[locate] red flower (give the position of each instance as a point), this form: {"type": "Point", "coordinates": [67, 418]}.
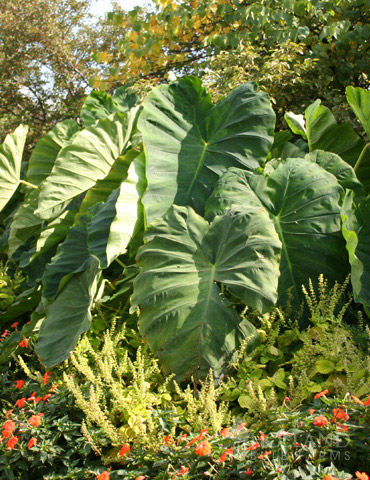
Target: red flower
{"type": "Point", "coordinates": [367, 402]}
{"type": "Point", "coordinates": [340, 414]}
{"type": "Point", "coordinates": [8, 428]}
{"type": "Point", "coordinates": [248, 472]}
{"type": "Point", "coordinates": [362, 476]}
{"type": "Point", "coordinates": [204, 448]}
{"type": "Point", "coordinates": [24, 343]}
{"type": "Point", "coordinates": [47, 396]}
{"type": "Point", "coordinates": [12, 442]}
{"type": "Point", "coordinates": [103, 476]}
{"type": "Point", "coordinates": [320, 421]}
{"type": "Point", "coordinates": [5, 333]}
{"type": "Point", "coordinates": [126, 448]}
{"type": "Point", "coordinates": [33, 442]}
{"type": "Point", "coordinates": [20, 403]}
{"type": "Point", "coordinates": [283, 434]}
{"type": "Point", "coordinates": [32, 397]}
{"type": "Point", "coordinates": [38, 399]}
{"type": "Point", "coordinates": [227, 452]}
{"type": "Point", "coordinates": [35, 420]}
{"type": "Point", "coordinates": [8, 413]}
{"type": "Point", "coordinates": [253, 447]}
{"type": "Point", "coordinates": [262, 436]}
{"type": "Point", "coordinates": [329, 477]}
{"type": "Point", "coordinates": [321, 394]}
{"type": "Point", "coordinates": [287, 399]}
{"type": "Point", "coordinates": [19, 383]}
{"type": "Point", "coordinates": [140, 477]}
{"type": "Point", "coordinates": [47, 375]}
{"type": "Point", "coordinates": [266, 454]}
{"type": "Point", "coordinates": [225, 432]}
{"type": "Point", "coordinates": [312, 411]}
{"type": "Point", "coordinates": [342, 427]}
{"type": "Point", "coordinates": [15, 324]}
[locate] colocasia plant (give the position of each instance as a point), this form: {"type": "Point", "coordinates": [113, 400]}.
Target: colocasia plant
{"type": "Point", "coordinates": [189, 211]}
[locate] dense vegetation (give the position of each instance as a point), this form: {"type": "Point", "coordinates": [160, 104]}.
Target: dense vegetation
{"type": "Point", "coordinates": [185, 276]}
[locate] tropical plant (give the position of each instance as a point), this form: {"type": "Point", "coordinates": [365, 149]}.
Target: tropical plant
{"type": "Point", "coordinates": [221, 213]}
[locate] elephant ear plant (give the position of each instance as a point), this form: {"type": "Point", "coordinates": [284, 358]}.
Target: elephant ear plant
{"type": "Point", "coordinates": [188, 212]}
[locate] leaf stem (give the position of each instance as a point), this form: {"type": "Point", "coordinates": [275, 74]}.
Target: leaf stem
{"type": "Point", "coordinates": [358, 163]}
{"type": "Point", "coordinates": [121, 263]}
{"type": "Point", "coordinates": [110, 284]}
{"type": "Point", "coordinates": [28, 184]}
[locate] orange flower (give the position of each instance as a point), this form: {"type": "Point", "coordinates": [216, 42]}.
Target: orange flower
{"type": "Point", "coordinates": [320, 421]}
{"type": "Point", "coordinates": [19, 383]}
{"type": "Point", "coordinates": [20, 403]}
{"type": "Point", "coordinates": [321, 394]}
{"type": "Point", "coordinates": [362, 476]}
{"type": "Point", "coordinates": [367, 402]}
{"type": "Point", "coordinates": [33, 442]}
{"type": "Point", "coordinates": [199, 437]}
{"type": "Point", "coordinates": [8, 428]}
{"type": "Point", "coordinates": [47, 375]}
{"type": "Point", "coordinates": [8, 413]}
{"type": "Point", "coordinates": [253, 447]}
{"type": "Point", "coordinates": [24, 343]}
{"type": "Point", "coordinates": [262, 436]}
{"type": "Point", "coordinates": [357, 400]}
{"type": "Point", "coordinates": [32, 397]}
{"type": "Point", "coordinates": [35, 420]}
{"type": "Point", "coordinates": [15, 324]}
{"type": "Point", "coordinates": [182, 437]}
{"type": "Point", "coordinates": [342, 427]}
{"type": "Point", "coordinates": [182, 471]}
{"type": "Point", "coordinates": [12, 442]}
{"type": "Point", "coordinates": [248, 472]}
{"type": "Point", "coordinates": [47, 396]}
{"type": "Point", "coordinates": [266, 454]}
{"type": "Point", "coordinates": [103, 476]}
{"type": "Point", "coordinates": [225, 432]}
{"type": "Point", "coordinates": [204, 448]}
{"type": "Point", "coordinates": [330, 477]}
{"type": "Point", "coordinates": [140, 477]}
{"type": "Point", "coordinates": [126, 448]}
{"type": "Point", "coordinates": [227, 452]}
{"type": "Point", "coordinates": [168, 439]}
{"type": "Point", "coordinates": [312, 411]}
{"type": "Point", "coordinates": [242, 425]}
{"type": "Point", "coordinates": [339, 414]}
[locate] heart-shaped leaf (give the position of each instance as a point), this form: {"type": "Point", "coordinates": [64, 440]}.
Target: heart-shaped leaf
{"type": "Point", "coordinates": [304, 202]}
{"type": "Point", "coordinates": [187, 320]}
{"type": "Point", "coordinates": [190, 142]}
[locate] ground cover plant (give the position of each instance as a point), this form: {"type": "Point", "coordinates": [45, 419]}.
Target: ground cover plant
{"type": "Point", "coordinates": [191, 237]}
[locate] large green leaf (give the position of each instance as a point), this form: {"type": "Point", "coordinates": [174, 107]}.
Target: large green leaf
{"type": "Point", "coordinates": [89, 158]}
{"type": "Point", "coordinates": [324, 133]}
{"type": "Point", "coordinates": [112, 228]}
{"type": "Point", "coordinates": [47, 148]}
{"type": "Point", "coordinates": [303, 201]}
{"type": "Point", "coordinates": [67, 317]}
{"type": "Point", "coordinates": [359, 99]}
{"type": "Point", "coordinates": [72, 256]}
{"type": "Point", "coordinates": [331, 162]}
{"type": "Point", "coordinates": [190, 142]}
{"type": "Point", "coordinates": [188, 322]}
{"type": "Point", "coordinates": [103, 188]}
{"type": "Point", "coordinates": [100, 104]}
{"type": "Point", "coordinates": [10, 163]}
{"type": "Point", "coordinates": [356, 231]}
{"type": "Point", "coordinates": [25, 223]}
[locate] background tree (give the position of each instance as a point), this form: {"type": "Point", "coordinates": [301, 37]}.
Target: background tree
{"type": "Point", "coordinates": [284, 45]}
{"type": "Point", "coordinates": [45, 61]}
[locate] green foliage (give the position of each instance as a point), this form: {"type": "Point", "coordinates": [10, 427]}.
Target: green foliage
{"type": "Point", "coordinates": [164, 174]}
{"type": "Point", "coordinates": [291, 362]}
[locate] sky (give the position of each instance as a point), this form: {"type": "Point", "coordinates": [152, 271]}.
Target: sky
{"type": "Point", "coordinates": [100, 7]}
